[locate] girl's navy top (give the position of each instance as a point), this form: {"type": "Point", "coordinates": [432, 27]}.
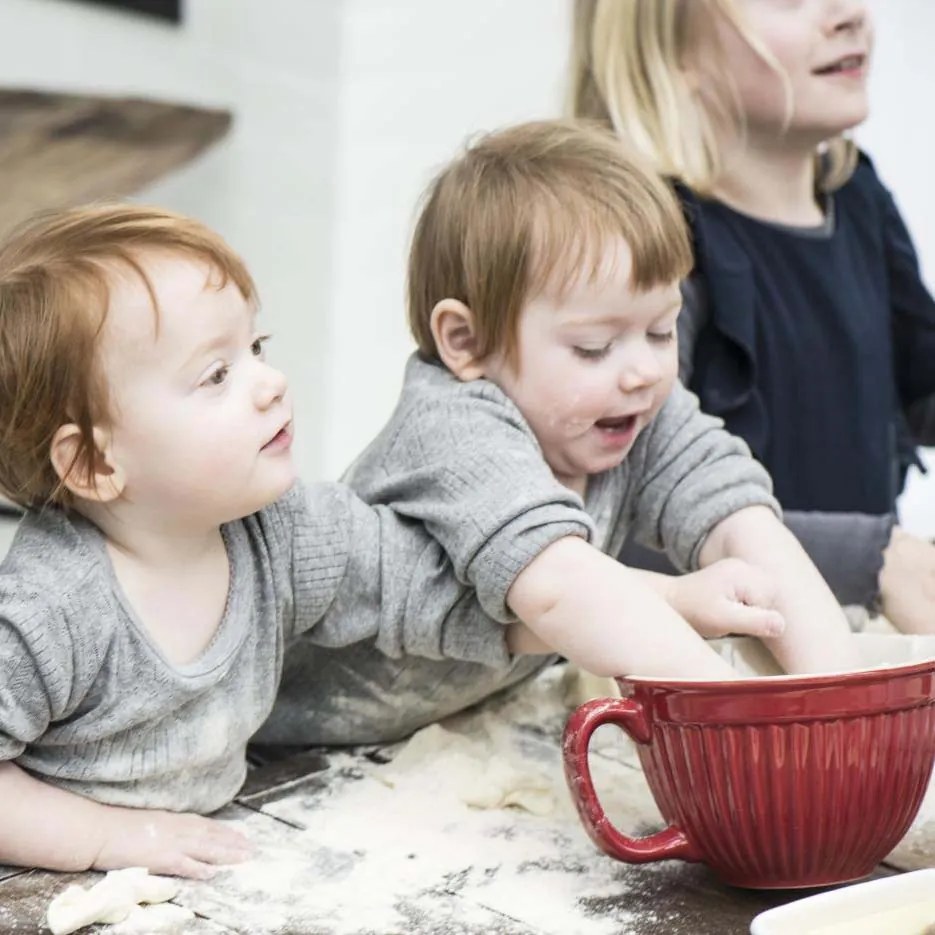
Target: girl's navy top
{"type": "Point", "coordinates": [815, 343]}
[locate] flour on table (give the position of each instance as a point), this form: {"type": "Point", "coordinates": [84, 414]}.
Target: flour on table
{"type": "Point", "coordinates": [428, 842]}
{"type": "Point", "coordinates": [164, 919]}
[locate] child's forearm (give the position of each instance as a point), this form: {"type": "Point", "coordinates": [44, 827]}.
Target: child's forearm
{"type": "Point", "coordinates": [816, 636]}
{"type": "Point", "coordinates": [607, 619]}
{"type": "Point", "coordinates": [58, 830]}
{"type": "Point", "coordinates": [47, 827]}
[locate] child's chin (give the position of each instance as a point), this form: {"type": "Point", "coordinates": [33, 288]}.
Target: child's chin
{"type": "Point", "coordinates": [270, 493]}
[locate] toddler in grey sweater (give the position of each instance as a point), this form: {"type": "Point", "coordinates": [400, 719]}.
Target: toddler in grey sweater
{"type": "Point", "coordinates": [541, 421]}
{"type": "Point", "coordinates": [167, 552]}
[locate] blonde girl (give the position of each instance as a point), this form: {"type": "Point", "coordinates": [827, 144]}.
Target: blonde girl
{"type": "Point", "coordinates": [806, 325]}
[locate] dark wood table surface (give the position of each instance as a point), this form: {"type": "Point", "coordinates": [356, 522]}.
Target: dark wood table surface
{"type": "Point", "coordinates": [290, 796]}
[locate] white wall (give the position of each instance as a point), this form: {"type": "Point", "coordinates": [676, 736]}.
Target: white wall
{"type": "Point", "coordinates": [418, 77]}
{"type": "Point", "coordinates": [899, 136]}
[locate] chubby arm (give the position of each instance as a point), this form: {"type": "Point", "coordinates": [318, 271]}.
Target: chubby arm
{"type": "Point", "coordinates": [601, 615]}
{"type": "Point", "coordinates": [362, 572]}
{"type": "Point", "coordinates": [58, 830]}
{"type": "Point", "coordinates": [816, 636]}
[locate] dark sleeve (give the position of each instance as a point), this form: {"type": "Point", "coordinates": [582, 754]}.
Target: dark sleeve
{"type": "Point", "coordinates": [921, 419]}
{"type": "Point", "coordinates": [847, 549]}
{"type": "Point", "coordinates": [913, 311]}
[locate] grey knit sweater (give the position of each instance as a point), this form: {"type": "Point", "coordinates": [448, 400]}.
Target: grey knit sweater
{"type": "Point", "coordinates": [461, 459]}
{"type": "Point", "coordinates": [88, 703]}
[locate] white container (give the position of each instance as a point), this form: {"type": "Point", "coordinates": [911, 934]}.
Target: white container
{"type": "Point", "coordinates": [899, 905]}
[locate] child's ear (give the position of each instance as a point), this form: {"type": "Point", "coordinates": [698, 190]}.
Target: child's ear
{"type": "Point", "coordinates": [98, 477]}
{"type": "Point", "coordinates": [452, 325]}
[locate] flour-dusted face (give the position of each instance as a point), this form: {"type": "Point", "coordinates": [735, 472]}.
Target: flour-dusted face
{"type": "Point", "coordinates": [595, 365]}
{"type": "Point", "coordinates": [201, 424]}
{"type": "Point", "coordinates": [822, 46]}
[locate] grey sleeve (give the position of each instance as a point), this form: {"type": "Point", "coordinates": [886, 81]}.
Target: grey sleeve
{"type": "Point", "coordinates": [36, 660]}
{"type": "Point", "coordinates": [476, 478]}
{"type": "Point", "coordinates": [361, 572]}
{"type": "Point", "coordinates": [690, 474]}
{"type": "Point", "coordinates": [692, 320]}
{"type": "Point", "coordinates": [847, 549]}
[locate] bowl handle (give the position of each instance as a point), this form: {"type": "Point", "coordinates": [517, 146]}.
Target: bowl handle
{"type": "Point", "coordinates": [630, 716]}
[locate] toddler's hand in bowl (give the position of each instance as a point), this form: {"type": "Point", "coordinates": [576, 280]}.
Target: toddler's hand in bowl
{"type": "Point", "coordinates": [729, 596]}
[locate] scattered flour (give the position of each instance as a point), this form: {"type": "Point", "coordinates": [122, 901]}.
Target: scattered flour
{"type": "Point", "coordinates": [150, 920]}
{"type": "Point", "coordinates": [427, 837]}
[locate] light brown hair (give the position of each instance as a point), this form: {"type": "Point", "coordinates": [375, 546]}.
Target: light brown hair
{"type": "Point", "coordinates": [528, 209]}
{"type": "Point", "coordinates": [54, 294]}
{"type": "Point", "coordinates": [627, 71]}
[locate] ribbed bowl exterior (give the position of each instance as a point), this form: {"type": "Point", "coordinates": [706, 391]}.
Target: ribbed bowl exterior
{"type": "Point", "coordinates": [776, 805]}
{"type": "Point", "coordinates": [792, 786]}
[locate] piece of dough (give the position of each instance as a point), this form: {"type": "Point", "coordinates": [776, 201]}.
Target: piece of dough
{"type": "Point", "coordinates": [475, 770]}
{"type": "Point", "coordinates": [579, 686]}
{"type": "Point", "coordinates": [109, 900]}
{"type": "Point", "coordinates": [150, 920]}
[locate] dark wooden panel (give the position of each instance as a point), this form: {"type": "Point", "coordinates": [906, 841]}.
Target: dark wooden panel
{"type": "Point", "coordinates": [63, 149]}
{"type": "Point", "coordinates": [170, 10]}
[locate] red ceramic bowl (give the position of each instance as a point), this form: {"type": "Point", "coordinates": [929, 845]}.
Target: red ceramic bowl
{"type": "Point", "coordinates": [777, 782]}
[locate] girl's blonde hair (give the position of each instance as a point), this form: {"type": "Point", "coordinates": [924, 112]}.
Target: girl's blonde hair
{"type": "Point", "coordinates": [626, 71]}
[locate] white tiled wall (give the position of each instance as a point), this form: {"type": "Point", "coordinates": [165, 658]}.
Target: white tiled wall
{"type": "Point", "coordinates": [343, 110]}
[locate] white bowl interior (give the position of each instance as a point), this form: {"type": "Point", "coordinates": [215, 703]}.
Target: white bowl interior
{"type": "Point", "coordinates": [751, 658]}
{"type": "Point", "coordinates": [897, 905]}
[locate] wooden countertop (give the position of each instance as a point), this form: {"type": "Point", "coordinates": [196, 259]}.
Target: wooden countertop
{"type": "Point", "coordinates": [338, 853]}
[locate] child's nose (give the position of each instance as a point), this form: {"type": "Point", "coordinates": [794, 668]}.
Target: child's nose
{"type": "Point", "coordinates": [642, 369]}
{"type": "Point", "coordinates": [270, 387]}
{"type": "Point", "coordinates": [845, 16]}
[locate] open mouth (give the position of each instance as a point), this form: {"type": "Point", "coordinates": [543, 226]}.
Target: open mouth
{"type": "Point", "coordinates": [617, 425]}
{"type": "Point", "coordinates": [849, 64]}
{"type": "Point", "coordinates": [282, 439]}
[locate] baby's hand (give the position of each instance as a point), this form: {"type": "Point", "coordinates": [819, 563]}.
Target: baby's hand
{"type": "Point", "coordinates": [173, 843]}
{"type": "Point", "coordinates": [729, 596]}
{"type": "Point", "coordinates": [907, 583]}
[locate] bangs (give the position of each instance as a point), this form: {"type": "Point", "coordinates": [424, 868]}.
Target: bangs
{"type": "Point", "coordinates": [572, 237]}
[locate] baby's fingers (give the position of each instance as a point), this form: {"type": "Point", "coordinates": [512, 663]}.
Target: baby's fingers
{"type": "Point", "coordinates": [755, 587]}
{"type": "Point", "coordinates": [214, 849]}
{"type": "Point", "coordinates": [225, 833]}
{"type": "Point", "coordinates": [745, 620]}
{"type": "Point", "coordinates": [184, 865]}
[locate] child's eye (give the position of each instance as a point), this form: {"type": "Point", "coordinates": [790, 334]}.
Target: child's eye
{"type": "Point", "coordinates": [663, 337]}
{"type": "Point", "coordinates": [256, 348]}
{"type": "Point", "coordinates": [592, 353]}
{"type": "Point", "coordinates": [217, 376]}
